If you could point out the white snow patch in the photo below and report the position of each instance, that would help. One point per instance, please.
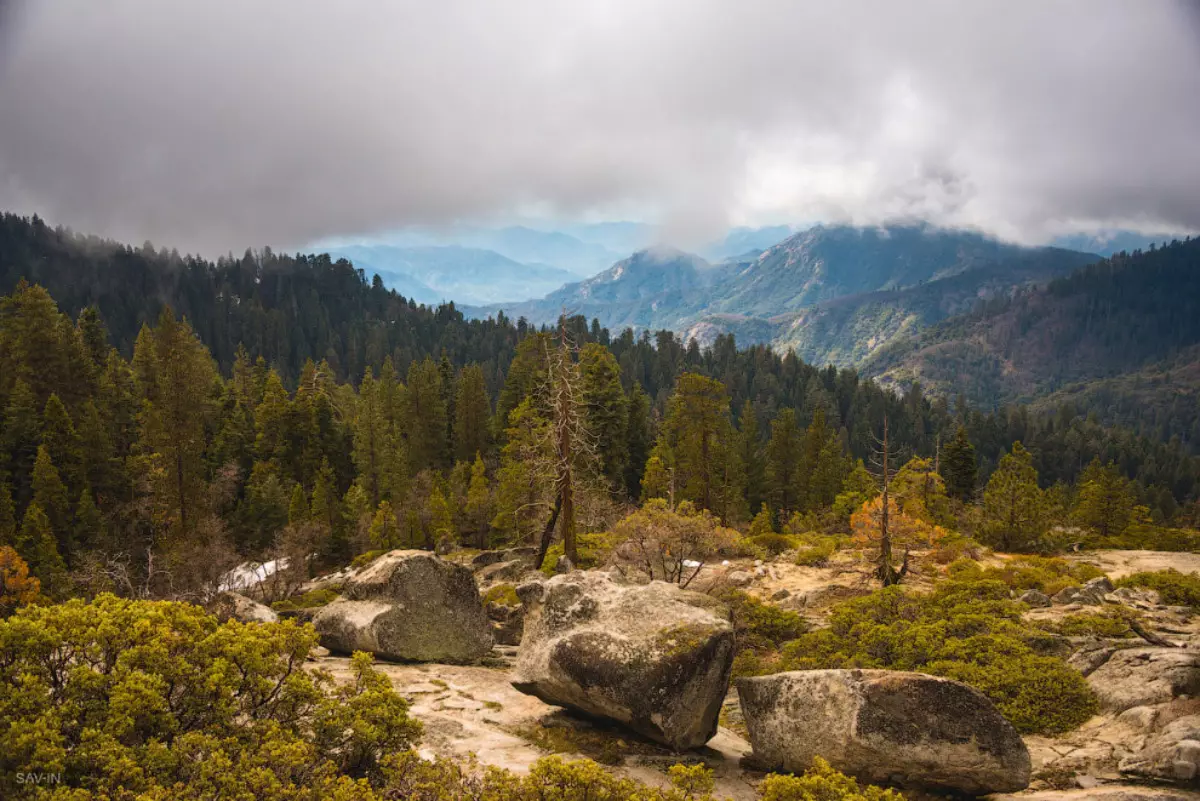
(247, 574)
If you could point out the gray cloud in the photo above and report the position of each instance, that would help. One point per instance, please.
(215, 124)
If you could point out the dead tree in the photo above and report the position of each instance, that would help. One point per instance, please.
(885, 570)
(574, 447)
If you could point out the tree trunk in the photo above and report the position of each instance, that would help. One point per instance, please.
(547, 534)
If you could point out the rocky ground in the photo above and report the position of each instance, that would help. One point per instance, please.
(1148, 732)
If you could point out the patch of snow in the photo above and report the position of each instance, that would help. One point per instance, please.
(691, 563)
(247, 574)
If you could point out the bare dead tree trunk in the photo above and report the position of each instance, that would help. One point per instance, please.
(547, 535)
(885, 571)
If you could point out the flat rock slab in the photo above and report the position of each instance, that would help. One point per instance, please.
(1145, 676)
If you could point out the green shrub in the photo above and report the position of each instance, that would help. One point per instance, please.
(593, 548)
(817, 555)
(1174, 587)
(772, 544)
(138, 698)
(1114, 624)
(501, 595)
(308, 600)
(822, 783)
(760, 629)
(967, 630)
(364, 559)
(1021, 573)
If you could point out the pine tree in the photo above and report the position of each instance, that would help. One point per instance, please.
(1106, 500)
(763, 523)
(94, 336)
(784, 452)
(524, 482)
(750, 448)
(605, 413)
(89, 524)
(697, 442)
(8, 515)
(62, 443)
(298, 512)
(526, 373)
(377, 455)
(50, 493)
(20, 438)
(441, 516)
(958, 466)
(176, 376)
(1013, 505)
(273, 422)
(425, 417)
(37, 546)
(472, 415)
(639, 439)
(479, 507)
(384, 532)
(657, 481)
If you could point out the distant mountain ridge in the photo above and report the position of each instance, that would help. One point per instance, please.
(1114, 338)
(826, 290)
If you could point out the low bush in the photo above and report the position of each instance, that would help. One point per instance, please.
(367, 557)
(966, 630)
(308, 600)
(772, 544)
(592, 547)
(1114, 624)
(817, 554)
(1045, 574)
(501, 595)
(1175, 588)
(760, 629)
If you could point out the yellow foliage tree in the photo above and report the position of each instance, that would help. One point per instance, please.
(17, 587)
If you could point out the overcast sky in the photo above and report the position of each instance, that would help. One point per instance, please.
(221, 124)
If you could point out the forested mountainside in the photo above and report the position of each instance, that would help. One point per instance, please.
(845, 331)
(1117, 338)
(834, 292)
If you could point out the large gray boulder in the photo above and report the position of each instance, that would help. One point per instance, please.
(234, 606)
(408, 606)
(652, 657)
(1145, 676)
(884, 727)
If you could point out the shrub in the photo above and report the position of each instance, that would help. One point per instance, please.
(1115, 624)
(760, 628)
(308, 600)
(822, 783)
(772, 544)
(364, 559)
(501, 595)
(592, 547)
(133, 698)
(966, 630)
(1175, 588)
(666, 543)
(817, 555)
(1045, 574)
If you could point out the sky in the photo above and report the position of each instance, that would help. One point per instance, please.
(215, 125)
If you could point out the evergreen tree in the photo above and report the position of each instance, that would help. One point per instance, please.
(94, 336)
(1014, 516)
(425, 417)
(472, 415)
(784, 452)
(273, 423)
(1106, 500)
(89, 525)
(50, 493)
(37, 546)
(384, 532)
(697, 442)
(176, 375)
(441, 516)
(298, 512)
(604, 409)
(639, 439)
(750, 449)
(62, 443)
(526, 373)
(376, 453)
(479, 508)
(524, 482)
(8, 516)
(959, 467)
(20, 438)
(763, 523)
(657, 481)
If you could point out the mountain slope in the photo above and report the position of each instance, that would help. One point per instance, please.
(835, 293)
(435, 273)
(1131, 314)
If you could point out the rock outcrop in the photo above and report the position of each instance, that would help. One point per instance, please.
(1145, 676)
(884, 727)
(652, 657)
(1172, 754)
(231, 605)
(408, 606)
(1090, 594)
(1035, 599)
